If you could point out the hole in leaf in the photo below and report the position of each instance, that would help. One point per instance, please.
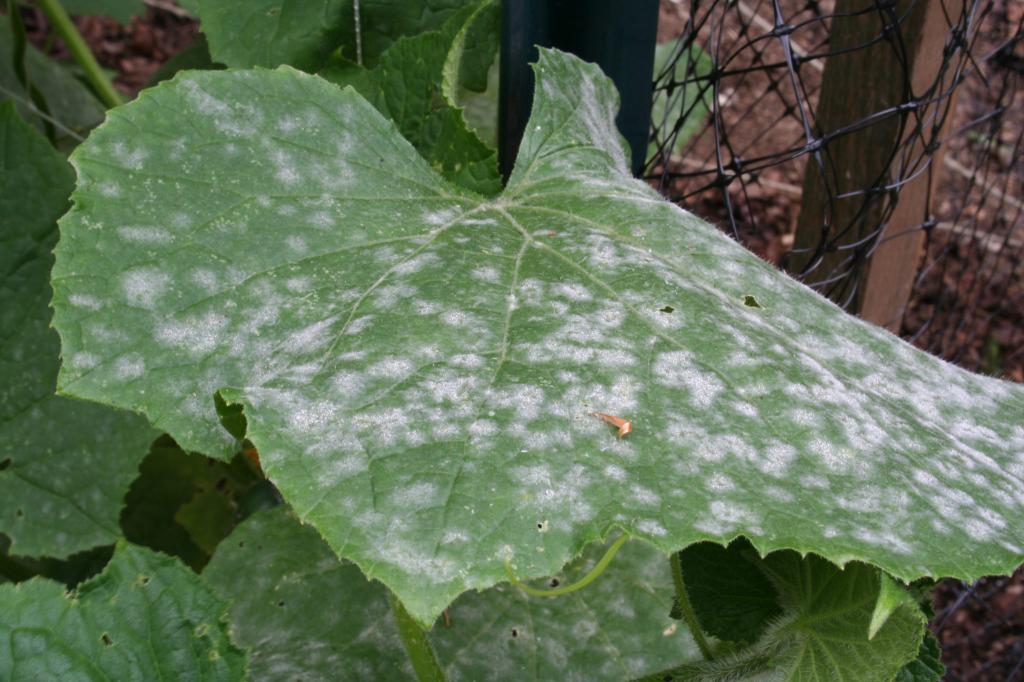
(751, 302)
(106, 640)
(280, 604)
(542, 526)
(143, 580)
(667, 309)
(5, 463)
(515, 633)
(554, 582)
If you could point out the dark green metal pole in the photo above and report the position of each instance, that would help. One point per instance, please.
(617, 35)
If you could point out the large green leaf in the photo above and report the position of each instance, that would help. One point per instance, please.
(406, 87)
(303, 33)
(823, 631)
(72, 106)
(303, 614)
(145, 617)
(418, 366)
(64, 465)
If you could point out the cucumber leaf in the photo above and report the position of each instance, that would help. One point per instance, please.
(146, 616)
(406, 87)
(303, 614)
(823, 631)
(419, 366)
(304, 33)
(65, 465)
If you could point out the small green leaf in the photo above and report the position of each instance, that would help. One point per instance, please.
(64, 464)
(419, 366)
(146, 616)
(195, 56)
(406, 86)
(891, 596)
(473, 50)
(733, 599)
(822, 632)
(680, 113)
(121, 10)
(183, 503)
(927, 667)
(295, 607)
(304, 33)
(72, 105)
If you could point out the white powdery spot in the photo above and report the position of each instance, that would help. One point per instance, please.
(776, 459)
(310, 338)
(393, 368)
(129, 367)
(359, 324)
(296, 244)
(143, 286)
(85, 301)
(676, 369)
(297, 285)
(441, 217)
(416, 263)
(645, 496)
(314, 418)
(616, 473)
(486, 273)
(205, 278)
(198, 335)
(83, 360)
(145, 234)
(572, 291)
(415, 496)
(651, 527)
(720, 483)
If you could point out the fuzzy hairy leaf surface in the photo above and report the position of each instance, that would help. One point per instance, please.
(65, 465)
(822, 633)
(303, 614)
(419, 366)
(145, 617)
(303, 33)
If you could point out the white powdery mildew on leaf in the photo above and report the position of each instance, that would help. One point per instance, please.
(420, 370)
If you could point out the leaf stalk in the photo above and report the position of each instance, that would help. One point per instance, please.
(65, 28)
(686, 609)
(414, 637)
(590, 577)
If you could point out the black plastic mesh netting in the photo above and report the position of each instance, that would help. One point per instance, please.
(872, 148)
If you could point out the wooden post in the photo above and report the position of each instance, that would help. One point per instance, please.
(893, 267)
(857, 84)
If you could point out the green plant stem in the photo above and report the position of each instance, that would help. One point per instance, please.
(590, 577)
(421, 654)
(62, 23)
(687, 609)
